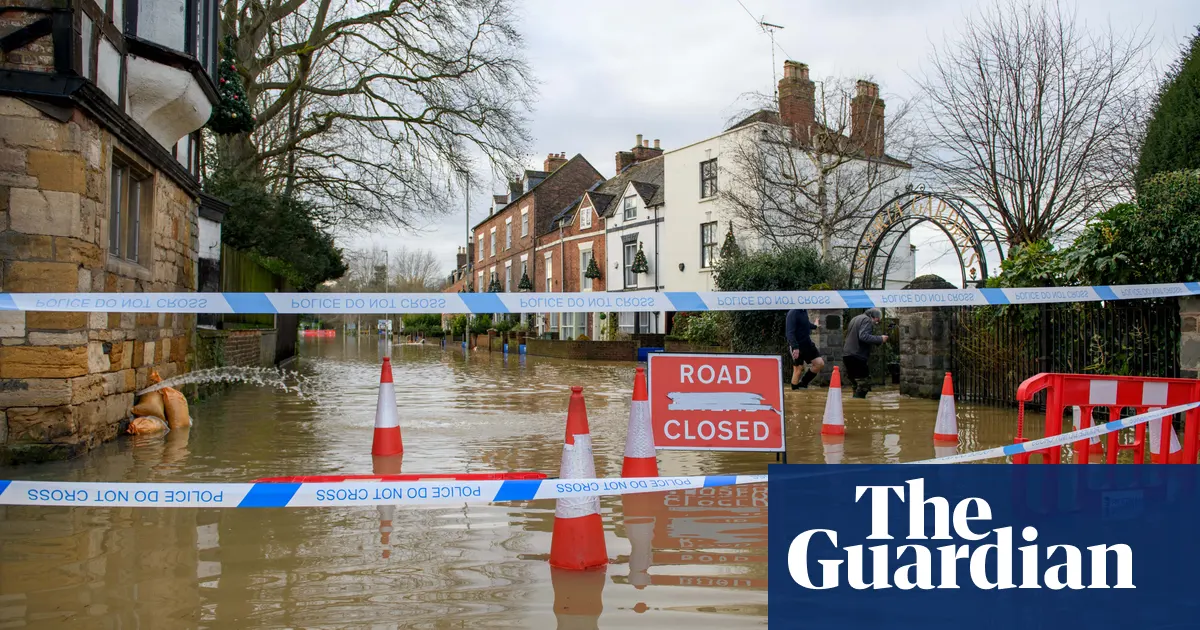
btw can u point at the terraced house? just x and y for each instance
(100, 103)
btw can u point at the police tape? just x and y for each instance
(1059, 440)
(364, 493)
(624, 302)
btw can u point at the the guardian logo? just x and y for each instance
(983, 547)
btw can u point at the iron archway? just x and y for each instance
(961, 221)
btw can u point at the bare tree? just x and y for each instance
(368, 109)
(818, 187)
(1029, 112)
(415, 270)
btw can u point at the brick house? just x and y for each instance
(99, 156)
(506, 241)
(579, 234)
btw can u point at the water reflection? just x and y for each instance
(695, 558)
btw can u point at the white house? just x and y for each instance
(634, 219)
(695, 176)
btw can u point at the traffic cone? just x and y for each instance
(1094, 446)
(387, 426)
(945, 429)
(834, 447)
(944, 449)
(834, 422)
(1156, 439)
(640, 460)
(577, 542)
(578, 599)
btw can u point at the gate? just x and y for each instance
(993, 349)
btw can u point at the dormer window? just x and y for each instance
(585, 217)
(630, 206)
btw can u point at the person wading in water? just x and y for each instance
(859, 343)
(800, 343)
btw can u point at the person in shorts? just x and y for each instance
(802, 348)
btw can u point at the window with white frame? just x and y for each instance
(525, 222)
(629, 204)
(585, 218)
(549, 273)
(479, 288)
(708, 178)
(630, 254)
(524, 268)
(630, 323)
(708, 244)
(129, 211)
(493, 241)
(479, 245)
(569, 330)
(508, 285)
(585, 258)
(508, 233)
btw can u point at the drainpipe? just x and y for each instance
(562, 269)
(656, 284)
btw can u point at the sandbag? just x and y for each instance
(146, 425)
(150, 404)
(176, 406)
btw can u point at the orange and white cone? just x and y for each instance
(834, 422)
(1156, 441)
(946, 427)
(1094, 445)
(944, 449)
(578, 598)
(387, 425)
(640, 459)
(577, 542)
(834, 447)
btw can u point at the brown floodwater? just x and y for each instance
(695, 559)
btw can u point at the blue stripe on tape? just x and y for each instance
(995, 296)
(249, 302)
(686, 301)
(4, 486)
(483, 302)
(1014, 449)
(1105, 293)
(719, 480)
(7, 303)
(1194, 287)
(264, 495)
(857, 299)
(518, 490)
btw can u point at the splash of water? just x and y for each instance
(282, 380)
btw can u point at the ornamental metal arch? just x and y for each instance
(961, 221)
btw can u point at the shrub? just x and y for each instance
(583, 338)
(458, 324)
(708, 329)
(1172, 140)
(481, 324)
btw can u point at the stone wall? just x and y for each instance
(583, 350)
(67, 379)
(242, 348)
(1189, 337)
(924, 351)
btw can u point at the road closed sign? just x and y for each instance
(716, 402)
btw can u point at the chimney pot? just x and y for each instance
(656, 145)
(639, 141)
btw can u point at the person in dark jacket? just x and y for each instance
(800, 344)
(859, 343)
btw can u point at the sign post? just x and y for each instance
(717, 402)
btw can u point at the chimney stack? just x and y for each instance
(638, 143)
(554, 161)
(797, 105)
(462, 258)
(867, 119)
(643, 152)
(656, 144)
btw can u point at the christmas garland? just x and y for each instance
(231, 115)
(639, 261)
(593, 270)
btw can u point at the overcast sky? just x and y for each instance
(677, 70)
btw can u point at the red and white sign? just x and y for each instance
(716, 402)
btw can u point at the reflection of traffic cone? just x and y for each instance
(386, 513)
(1077, 417)
(834, 423)
(834, 447)
(640, 460)
(946, 427)
(578, 538)
(638, 512)
(387, 426)
(1156, 440)
(577, 598)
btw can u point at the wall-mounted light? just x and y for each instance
(616, 265)
(681, 266)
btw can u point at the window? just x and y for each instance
(525, 223)
(569, 328)
(630, 253)
(549, 273)
(585, 218)
(524, 269)
(493, 241)
(508, 278)
(479, 288)
(585, 257)
(128, 212)
(508, 234)
(708, 244)
(479, 244)
(708, 178)
(630, 206)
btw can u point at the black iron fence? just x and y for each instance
(993, 349)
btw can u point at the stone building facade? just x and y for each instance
(98, 193)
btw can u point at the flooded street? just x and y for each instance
(695, 559)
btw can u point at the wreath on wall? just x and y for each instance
(639, 261)
(593, 270)
(525, 284)
(231, 114)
